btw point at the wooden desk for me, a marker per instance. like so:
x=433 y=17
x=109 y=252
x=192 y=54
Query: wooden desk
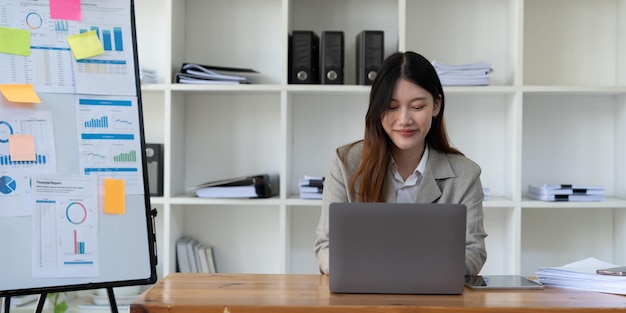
x=237 y=293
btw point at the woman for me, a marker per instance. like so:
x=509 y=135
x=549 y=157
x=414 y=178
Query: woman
x=405 y=156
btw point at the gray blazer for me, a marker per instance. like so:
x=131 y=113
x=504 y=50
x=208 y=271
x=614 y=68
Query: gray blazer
x=448 y=178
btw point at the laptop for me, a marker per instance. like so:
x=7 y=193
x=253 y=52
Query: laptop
x=397 y=248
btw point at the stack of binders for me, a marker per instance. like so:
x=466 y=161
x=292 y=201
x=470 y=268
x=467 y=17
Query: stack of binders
x=311 y=61
x=566 y=193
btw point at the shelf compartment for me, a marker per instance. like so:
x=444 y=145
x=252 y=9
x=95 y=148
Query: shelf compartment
x=558 y=236
x=318 y=125
x=209 y=123
x=351 y=17
x=303 y=222
x=256 y=248
x=580 y=48
x=231 y=33
x=460 y=32
x=153 y=37
x=471 y=121
x=571 y=139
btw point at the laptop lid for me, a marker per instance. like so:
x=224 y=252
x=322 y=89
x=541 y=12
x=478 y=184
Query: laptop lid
x=397 y=248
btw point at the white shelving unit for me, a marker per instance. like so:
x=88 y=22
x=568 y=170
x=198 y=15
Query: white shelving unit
x=555 y=112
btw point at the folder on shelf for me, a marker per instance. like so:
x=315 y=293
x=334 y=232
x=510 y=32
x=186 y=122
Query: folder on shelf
x=182 y=78
x=370 y=52
x=255 y=186
x=218 y=72
x=194 y=73
x=303 y=57
x=332 y=57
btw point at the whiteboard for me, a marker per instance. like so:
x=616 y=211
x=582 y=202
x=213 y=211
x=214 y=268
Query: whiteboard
x=74 y=213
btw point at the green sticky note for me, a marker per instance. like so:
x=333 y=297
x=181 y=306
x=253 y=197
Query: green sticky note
x=85 y=45
x=14 y=41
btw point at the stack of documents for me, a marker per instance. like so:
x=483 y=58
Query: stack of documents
x=311 y=187
x=566 y=192
x=147 y=75
x=581 y=275
x=192 y=73
x=472 y=74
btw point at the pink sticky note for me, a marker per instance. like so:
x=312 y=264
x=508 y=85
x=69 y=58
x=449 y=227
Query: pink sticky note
x=66 y=10
x=22 y=147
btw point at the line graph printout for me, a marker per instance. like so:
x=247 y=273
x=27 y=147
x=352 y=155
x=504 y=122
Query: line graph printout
x=15 y=185
x=108 y=142
x=65 y=227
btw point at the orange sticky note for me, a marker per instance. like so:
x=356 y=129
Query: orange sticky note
x=114 y=196
x=20 y=93
x=85 y=45
x=22 y=147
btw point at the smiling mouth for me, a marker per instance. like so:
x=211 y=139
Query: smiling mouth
x=406 y=132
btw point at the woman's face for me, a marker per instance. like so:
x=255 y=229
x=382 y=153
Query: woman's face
x=409 y=116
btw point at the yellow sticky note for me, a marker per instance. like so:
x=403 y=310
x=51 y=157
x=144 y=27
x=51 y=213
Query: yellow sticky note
x=85 y=45
x=20 y=93
x=14 y=41
x=22 y=147
x=114 y=196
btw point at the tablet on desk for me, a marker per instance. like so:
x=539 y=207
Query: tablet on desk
x=501 y=282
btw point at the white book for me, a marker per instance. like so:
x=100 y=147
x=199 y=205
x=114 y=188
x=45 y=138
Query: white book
x=211 y=259
x=182 y=257
x=203 y=260
x=191 y=254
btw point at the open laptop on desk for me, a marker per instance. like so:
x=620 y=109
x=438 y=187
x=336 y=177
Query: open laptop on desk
x=397 y=248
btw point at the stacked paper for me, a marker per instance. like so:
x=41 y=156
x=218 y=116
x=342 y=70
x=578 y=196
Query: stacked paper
x=147 y=75
x=581 y=275
x=311 y=187
x=566 y=192
x=472 y=74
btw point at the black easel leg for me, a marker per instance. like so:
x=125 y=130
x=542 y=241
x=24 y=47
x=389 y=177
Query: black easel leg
x=41 y=302
x=7 y=304
x=112 y=301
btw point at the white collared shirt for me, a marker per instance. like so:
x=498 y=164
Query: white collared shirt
x=406 y=191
